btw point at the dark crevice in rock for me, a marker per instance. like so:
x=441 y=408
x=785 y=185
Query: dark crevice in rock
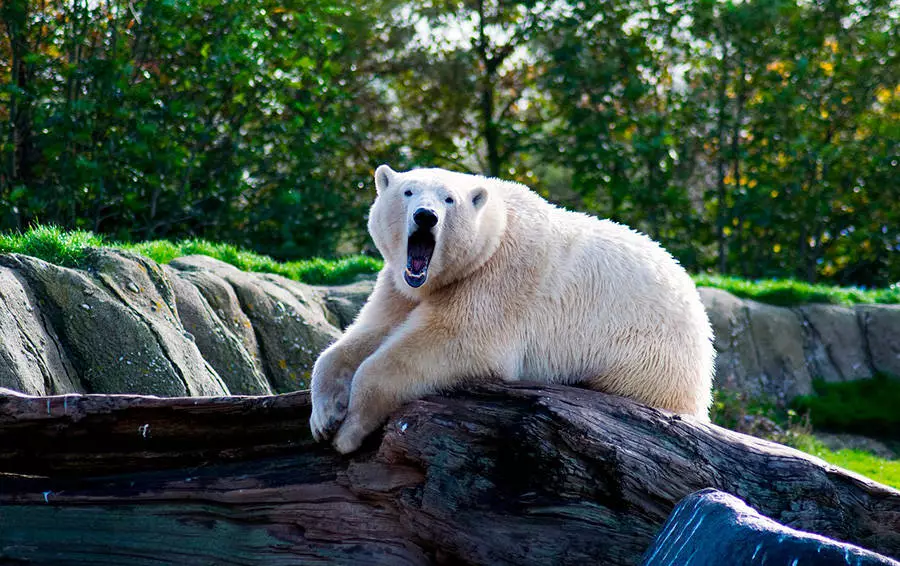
x=35 y=351
x=62 y=352
x=218 y=344
x=862 y=318
x=812 y=338
x=265 y=361
x=763 y=378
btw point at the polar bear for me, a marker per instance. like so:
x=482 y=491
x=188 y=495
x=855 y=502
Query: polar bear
x=484 y=278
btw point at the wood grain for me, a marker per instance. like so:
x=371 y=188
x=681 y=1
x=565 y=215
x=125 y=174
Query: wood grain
x=521 y=474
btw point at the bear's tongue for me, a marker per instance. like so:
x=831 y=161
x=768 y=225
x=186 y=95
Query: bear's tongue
x=417 y=264
x=419 y=250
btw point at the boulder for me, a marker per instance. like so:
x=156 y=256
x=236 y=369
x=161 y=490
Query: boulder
x=219 y=346
x=144 y=288
x=32 y=360
x=882 y=328
x=220 y=296
x=778 y=337
x=737 y=360
x=712 y=528
x=115 y=346
x=289 y=320
x=345 y=301
x=836 y=344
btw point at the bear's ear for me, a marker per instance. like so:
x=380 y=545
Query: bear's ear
x=479 y=197
x=383 y=177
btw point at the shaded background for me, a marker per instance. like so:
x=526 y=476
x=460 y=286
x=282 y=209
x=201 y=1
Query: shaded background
x=756 y=138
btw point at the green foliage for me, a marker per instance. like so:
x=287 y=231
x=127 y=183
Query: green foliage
x=316 y=271
x=160 y=119
x=867 y=406
x=756 y=138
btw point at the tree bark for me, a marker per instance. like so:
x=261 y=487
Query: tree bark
x=721 y=191
x=521 y=474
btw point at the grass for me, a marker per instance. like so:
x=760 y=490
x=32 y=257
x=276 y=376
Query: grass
x=788 y=292
x=51 y=244
x=68 y=247
x=314 y=271
x=867 y=406
x=864 y=463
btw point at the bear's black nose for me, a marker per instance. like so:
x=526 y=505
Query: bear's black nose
x=425 y=218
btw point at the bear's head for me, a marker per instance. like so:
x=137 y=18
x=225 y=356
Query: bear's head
x=434 y=227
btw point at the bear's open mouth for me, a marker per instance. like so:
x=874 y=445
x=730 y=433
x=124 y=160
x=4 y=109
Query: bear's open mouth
x=419 y=249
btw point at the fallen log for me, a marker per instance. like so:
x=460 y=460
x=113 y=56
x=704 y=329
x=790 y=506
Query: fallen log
x=521 y=474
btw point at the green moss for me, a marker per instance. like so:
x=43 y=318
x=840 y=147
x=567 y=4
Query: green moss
x=867 y=406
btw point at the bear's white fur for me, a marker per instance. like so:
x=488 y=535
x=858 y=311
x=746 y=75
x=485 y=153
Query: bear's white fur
x=516 y=289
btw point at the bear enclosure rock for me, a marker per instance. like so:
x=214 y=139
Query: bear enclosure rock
x=522 y=474
x=123 y=324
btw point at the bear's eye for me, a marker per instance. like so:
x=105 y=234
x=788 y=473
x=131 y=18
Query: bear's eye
x=449 y=200
x=408 y=193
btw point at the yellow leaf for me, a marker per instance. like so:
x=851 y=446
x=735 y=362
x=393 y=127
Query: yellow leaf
x=729 y=180
x=827 y=67
x=824 y=114
x=776 y=248
x=777 y=67
x=752 y=183
x=774 y=194
x=883 y=95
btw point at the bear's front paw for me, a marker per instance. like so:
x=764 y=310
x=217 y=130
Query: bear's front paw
x=329 y=407
x=350 y=436
x=326 y=417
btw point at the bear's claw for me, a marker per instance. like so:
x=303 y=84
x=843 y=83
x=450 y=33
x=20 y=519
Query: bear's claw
x=326 y=418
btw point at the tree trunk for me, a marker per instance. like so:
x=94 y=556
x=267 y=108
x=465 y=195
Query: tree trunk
x=521 y=474
x=489 y=124
x=722 y=196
